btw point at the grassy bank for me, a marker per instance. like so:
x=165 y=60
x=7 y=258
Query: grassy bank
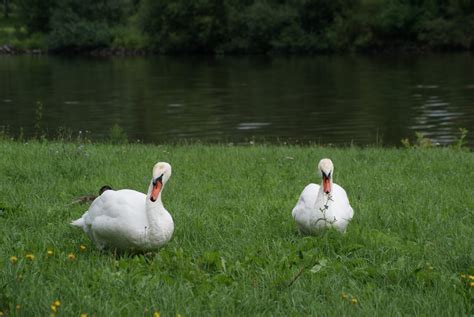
x=236 y=250
x=15 y=36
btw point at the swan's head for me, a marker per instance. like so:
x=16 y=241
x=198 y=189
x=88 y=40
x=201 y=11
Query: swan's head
x=326 y=170
x=161 y=174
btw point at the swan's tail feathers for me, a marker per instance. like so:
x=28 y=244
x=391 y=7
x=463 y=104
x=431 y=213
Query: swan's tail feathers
x=104 y=188
x=78 y=223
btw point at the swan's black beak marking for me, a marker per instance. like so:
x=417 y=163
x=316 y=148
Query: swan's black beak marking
x=158 y=179
x=326 y=182
x=326 y=176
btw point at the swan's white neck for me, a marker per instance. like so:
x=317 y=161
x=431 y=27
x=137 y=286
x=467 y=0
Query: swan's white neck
x=155 y=212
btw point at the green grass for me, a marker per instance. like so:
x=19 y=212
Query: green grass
x=236 y=250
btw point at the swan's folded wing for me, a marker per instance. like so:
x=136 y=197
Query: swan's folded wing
x=343 y=202
x=117 y=218
x=116 y=204
x=307 y=199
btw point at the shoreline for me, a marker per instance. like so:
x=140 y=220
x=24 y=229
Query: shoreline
x=9 y=50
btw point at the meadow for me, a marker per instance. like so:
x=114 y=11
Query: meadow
x=408 y=251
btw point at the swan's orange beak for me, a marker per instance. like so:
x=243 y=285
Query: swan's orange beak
x=156 y=190
x=326 y=184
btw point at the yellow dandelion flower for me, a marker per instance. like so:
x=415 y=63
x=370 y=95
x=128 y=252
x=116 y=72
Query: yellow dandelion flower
x=471 y=277
x=344 y=296
x=82 y=248
x=30 y=256
x=156 y=314
x=472 y=284
x=54 y=308
x=83 y=315
x=13 y=259
x=1 y=313
x=57 y=303
x=50 y=252
x=18 y=306
x=354 y=301
x=71 y=256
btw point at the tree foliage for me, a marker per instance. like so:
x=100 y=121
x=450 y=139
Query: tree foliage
x=255 y=26
x=35 y=14
x=186 y=26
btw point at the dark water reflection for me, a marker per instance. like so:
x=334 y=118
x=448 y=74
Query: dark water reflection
x=323 y=99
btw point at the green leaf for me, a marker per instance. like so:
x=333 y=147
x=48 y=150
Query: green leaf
x=322 y=263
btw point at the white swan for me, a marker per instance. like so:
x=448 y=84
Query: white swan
x=129 y=220
x=323 y=206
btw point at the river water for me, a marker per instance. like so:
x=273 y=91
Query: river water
x=340 y=100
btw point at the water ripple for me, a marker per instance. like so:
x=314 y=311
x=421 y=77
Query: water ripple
x=252 y=125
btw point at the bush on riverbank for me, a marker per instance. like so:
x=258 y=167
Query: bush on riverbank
x=236 y=250
x=256 y=26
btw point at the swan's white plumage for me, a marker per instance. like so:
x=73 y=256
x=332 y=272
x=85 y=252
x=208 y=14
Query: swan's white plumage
x=316 y=210
x=127 y=219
